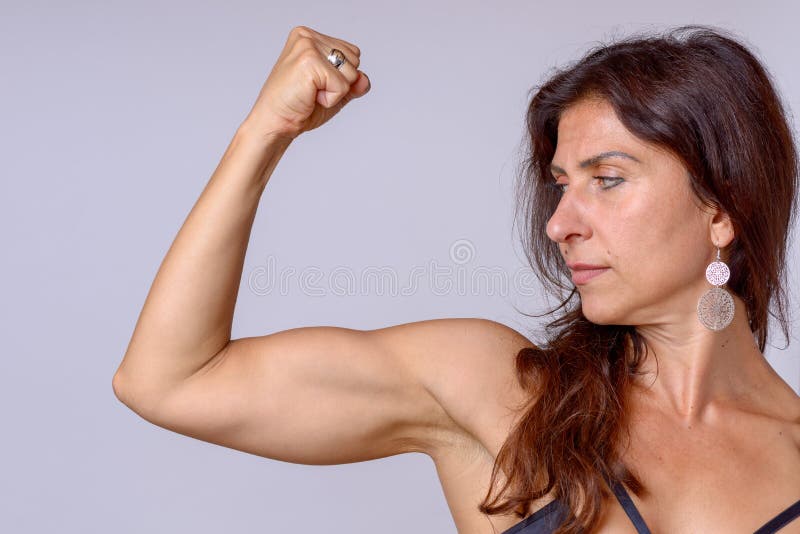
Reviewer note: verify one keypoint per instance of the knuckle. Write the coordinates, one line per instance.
(305, 44)
(308, 56)
(300, 31)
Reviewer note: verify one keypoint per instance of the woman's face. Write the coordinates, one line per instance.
(643, 222)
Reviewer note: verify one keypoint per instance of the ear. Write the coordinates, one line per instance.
(721, 229)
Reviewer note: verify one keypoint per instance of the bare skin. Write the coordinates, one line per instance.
(716, 434)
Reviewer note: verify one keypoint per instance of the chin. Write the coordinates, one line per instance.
(598, 313)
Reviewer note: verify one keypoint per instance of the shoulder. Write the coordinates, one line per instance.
(793, 417)
(777, 402)
(468, 366)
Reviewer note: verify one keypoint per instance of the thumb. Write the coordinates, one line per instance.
(360, 87)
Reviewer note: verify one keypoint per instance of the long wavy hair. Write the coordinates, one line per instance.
(701, 94)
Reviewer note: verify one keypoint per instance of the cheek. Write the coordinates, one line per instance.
(631, 235)
(656, 241)
(656, 235)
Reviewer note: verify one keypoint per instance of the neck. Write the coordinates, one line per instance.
(696, 371)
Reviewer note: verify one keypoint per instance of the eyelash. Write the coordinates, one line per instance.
(618, 179)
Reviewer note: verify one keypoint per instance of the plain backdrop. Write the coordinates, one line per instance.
(113, 115)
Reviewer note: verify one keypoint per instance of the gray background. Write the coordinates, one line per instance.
(115, 115)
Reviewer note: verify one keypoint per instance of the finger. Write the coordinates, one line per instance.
(342, 44)
(347, 69)
(361, 86)
(324, 43)
(351, 51)
(335, 84)
(330, 98)
(357, 90)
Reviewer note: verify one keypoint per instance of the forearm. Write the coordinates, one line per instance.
(187, 315)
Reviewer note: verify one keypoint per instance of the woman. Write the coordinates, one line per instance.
(661, 179)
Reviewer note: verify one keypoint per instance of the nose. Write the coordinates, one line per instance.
(569, 220)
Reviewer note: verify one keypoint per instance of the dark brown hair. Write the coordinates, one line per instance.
(701, 94)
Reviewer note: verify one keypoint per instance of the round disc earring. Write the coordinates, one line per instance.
(715, 307)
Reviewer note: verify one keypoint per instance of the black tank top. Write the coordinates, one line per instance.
(546, 519)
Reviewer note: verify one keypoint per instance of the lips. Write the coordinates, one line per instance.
(578, 266)
(582, 276)
(583, 272)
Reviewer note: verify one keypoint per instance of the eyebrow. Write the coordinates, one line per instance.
(594, 160)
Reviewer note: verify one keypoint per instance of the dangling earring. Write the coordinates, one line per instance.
(715, 308)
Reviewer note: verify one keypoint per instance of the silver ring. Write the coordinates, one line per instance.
(336, 57)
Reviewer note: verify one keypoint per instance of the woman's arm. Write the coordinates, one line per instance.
(330, 395)
(187, 315)
(314, 395)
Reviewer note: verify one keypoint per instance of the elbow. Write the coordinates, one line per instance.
(127, 394)
(116, 386)
(122, 390)
(141, 401)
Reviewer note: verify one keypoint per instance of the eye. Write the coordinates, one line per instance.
(605, 179)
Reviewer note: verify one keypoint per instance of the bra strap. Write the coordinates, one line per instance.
(630, 508)
(781, 520)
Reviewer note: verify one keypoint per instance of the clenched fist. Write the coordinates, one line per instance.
(304, 89)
